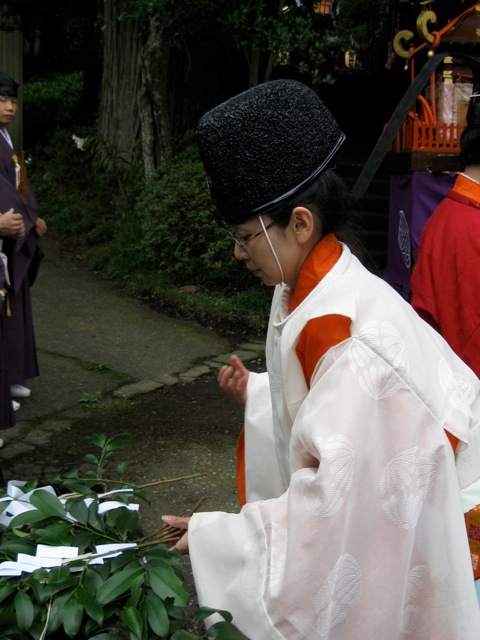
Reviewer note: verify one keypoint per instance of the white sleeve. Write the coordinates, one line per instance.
(262, 471)
(371, 523)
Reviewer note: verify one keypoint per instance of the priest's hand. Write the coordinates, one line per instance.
(233, 380)
(40, 227)
(12, 225)
(177, 522)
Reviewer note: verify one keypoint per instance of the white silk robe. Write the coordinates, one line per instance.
(354, 526)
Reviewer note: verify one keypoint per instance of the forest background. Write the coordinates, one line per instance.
(111, 95)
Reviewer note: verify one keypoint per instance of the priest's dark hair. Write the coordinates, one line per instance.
(330, 200)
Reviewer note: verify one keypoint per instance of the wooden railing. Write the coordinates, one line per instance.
(420, 136)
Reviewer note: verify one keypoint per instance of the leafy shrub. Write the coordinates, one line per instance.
(77, 198)
(138, 593)
(151, 237)
(179, 233)
(61, 91)
(50, 104)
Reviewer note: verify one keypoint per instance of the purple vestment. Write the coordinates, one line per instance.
(23, 260)
(413, 198)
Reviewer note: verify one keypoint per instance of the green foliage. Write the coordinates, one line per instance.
(138, 593)
(364, 23)
(268, 32)
(177, 231)
(88, 398)
(79, 191)
(50, 103)
(60, 91)
(154, 237)
(284, 32)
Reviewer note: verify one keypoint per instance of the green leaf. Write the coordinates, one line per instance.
(27, 518)
(7, 619)
(205, 612)
(72, 616)
(113, 445)
(79, 486)
(60, 578)
(125, 521)
(60, 574)
(121, 468)
(92, 580)
(17, 533)
(78, 510)
(94, 519)
(10, 548)
(136, 591)
(173, 611)
(36, 582)
(92, 608)
(116, 585)
(58, 534)
(83, 540)
(7, 588)
(166, 584)
(69, 474)
(133, 620)
(127, 557)
(157, 615)
(90, 458)
(24, 610)
(143, 495)
(56, 612)
(158, 551)
(183, 635)
(48, 503)
(99, 440)
(225, 631)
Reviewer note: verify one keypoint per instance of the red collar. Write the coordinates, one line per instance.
(324, 255)
(466, 190)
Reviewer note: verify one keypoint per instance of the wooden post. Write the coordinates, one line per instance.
(11, 61)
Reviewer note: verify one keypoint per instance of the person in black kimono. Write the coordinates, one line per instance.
(20, 246)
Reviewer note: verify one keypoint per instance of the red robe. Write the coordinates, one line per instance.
(446, 278)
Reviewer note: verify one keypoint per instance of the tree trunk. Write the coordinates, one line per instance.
(119, 121)
(253, 59)
(153, 103)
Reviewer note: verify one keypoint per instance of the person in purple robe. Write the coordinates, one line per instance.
(19, 214)
(7, 418)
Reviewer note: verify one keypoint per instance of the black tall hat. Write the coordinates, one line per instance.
(264, 145)
(8, 86)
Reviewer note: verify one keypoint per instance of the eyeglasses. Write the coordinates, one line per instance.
(242, 241)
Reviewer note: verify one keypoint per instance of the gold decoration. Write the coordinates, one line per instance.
(423, 20)
(350, 59)
(402, 36)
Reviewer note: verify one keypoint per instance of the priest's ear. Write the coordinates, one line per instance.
(305, 224)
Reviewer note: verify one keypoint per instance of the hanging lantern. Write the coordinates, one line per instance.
(323, 7)
(350, 59)
(283, 57)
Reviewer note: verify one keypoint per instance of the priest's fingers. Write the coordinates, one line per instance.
(177, 522)
(41, 227)
(182, 544)
(12, 225)
(233, 381)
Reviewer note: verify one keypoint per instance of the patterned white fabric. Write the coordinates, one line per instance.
(357, 528)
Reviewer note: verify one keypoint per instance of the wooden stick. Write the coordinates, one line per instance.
(168, 528)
